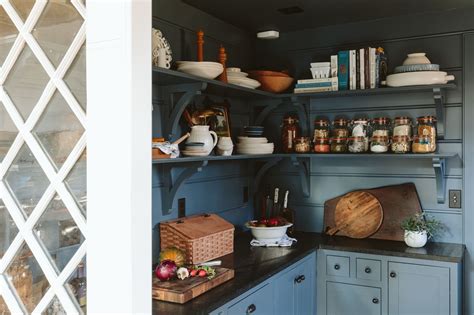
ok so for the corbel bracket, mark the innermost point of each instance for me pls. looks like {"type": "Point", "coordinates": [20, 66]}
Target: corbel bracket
{"type": "Point", "coordinates": [439, 97]}
{"type": "Point", "coordinates": [303, 171]}
{"type": "Point", "coordinates": [440, 168]}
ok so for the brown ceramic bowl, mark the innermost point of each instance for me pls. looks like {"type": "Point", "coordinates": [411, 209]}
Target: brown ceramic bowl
{"type": "Point", "coordinates": [274, 84]}
{"type": "Point", "coordinates": [256, 73]}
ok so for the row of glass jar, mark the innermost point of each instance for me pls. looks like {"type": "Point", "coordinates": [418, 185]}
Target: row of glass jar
{"type": "Point", "coordinates": [381, 126]}
{"type": "Point", "coordinates": [376, 144]}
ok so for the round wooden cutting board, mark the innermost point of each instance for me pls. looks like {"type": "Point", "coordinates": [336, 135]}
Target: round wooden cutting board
{"type": "Point", "coordinates": [358, 214]}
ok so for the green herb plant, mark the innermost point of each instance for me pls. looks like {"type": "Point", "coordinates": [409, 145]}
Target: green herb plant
{"type": "Point", "coordinates": [421, 222]}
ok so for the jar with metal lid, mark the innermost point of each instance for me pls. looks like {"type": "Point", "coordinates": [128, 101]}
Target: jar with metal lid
{"type": "Point", "coordinates": [426, 126]}
{"type": "Point", "coordinates": [340, 128]}
{"type": "Point", "coordinates": [381, 126]}
{"type": "Point", "coordinates": [358, 144]}
{"type": "Point", "coordinates": [402, 126]}
{"type": "Point", "coordinates": [379, 144]}
{"type": "Point", "coordinates": [289, 132]}
{"type": "Point", "coordinates": [338, 145]}
{"type": "Point", "coordinates": [423, 144]}
{"type": "Point", "coordinates": [360, 127]}
{"type": "Point", "coordinates": [401, 144]}
{"type": "Point", "coordinates": [302, 145]}
{"type": "Point", "coordinates": [321, 129]}
{"type": "Point", "coordinates": [321, 145]}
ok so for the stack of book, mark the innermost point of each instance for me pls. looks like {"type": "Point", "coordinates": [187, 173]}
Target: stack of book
{"type": "Point", "coordinates": [324, 78]}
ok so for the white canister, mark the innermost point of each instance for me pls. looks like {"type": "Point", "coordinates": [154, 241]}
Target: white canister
{"type": "Point", "coordinates": [416, 239]}
{"type": "Point", "coordinates": [225, 146]}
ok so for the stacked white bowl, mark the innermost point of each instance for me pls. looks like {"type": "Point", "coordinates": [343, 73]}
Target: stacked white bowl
{"type": "Point", "coordinates": [203, 69]}
{"type": "Point", "coordinates": [237, 77]}
{"type": "Point", "coordinates": [254, 145]}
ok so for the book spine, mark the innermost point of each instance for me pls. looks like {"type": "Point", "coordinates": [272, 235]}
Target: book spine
{"type": "Point", "coordinates": [361, 69]}
{"type": "Point", "coordinates": [372, 67]}
{"type": "Point", "coordinates": [343, 69]}
{"type": "Point", "coordinates": [310, 90]}
{"type": "Point", "coordinates": [352, 69]}
{"type": "Point", "coordinates": [377, 69]}
{"type": "Point", "coordinates": [366, 68]}
{"type": "Point", "coordinates": [307, 81]}
{"type": "Point", "coordinates": [357, 69]}
{"type": "Point", "coordinates": [309, 85]}
{"type": "Point", "coordinates": [333, 66]}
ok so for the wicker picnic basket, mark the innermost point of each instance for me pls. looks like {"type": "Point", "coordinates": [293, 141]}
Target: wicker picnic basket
{"type": "Point", "coordinates": [202, 237]}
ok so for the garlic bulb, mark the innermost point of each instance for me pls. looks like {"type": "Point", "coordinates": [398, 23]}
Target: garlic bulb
{"type": "Point", "coordinates": [182, 273]}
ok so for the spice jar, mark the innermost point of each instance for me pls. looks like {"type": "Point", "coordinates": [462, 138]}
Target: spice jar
{"type": "Point", "coordinates": [340, 128]}
{"type": "Point", "coordinates": [402, 126]}
{"type": "Point", "coordinates": [338, 145]}
{"type": "Point", "coordinates": [423, 144]}
{"type": "Point", "coordinates": [360, 127]}
{"type": "Point", "coordinates": [289, 132]}
{"type": "Point", "coordinates": [401, 144]}
{"type": "Point", "coordinates": [321, 129]}
{"type": "Point", "coordinates": [321, 145]}
{"type": "Point", "coordinates": [426, 126]}
{"type": "Point", "coordinates": [379, 144]}
{"type": "Point", "coordinates": [358, 144]}
{"type": "Point", "coordinates": [381, 126]}
{"type": "Point", "coordinates": [302, 145]}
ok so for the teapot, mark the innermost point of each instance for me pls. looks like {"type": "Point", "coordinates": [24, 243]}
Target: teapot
{"type": "Point", "coordinates": [202, 134]}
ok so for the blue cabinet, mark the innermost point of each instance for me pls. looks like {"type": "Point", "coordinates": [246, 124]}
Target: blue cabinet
{"type": "Point", "coordinates": [348, 299]}
{"type": "Point", "coordinates": [259, 302]}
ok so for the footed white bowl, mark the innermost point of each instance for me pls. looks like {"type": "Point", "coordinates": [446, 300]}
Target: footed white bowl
{"type": "Point", "coordinates": [203, 69]}
{"type": "Point", "coordinates": [268, 234]}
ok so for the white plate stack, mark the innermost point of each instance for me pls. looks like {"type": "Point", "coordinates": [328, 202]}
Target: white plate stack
{"type": "Point", "coordinates": [254, 145]}
{"type": "Point", "coordinates": [237, 77]}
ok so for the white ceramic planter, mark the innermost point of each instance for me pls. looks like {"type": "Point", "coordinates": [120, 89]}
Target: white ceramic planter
{"type": "Point", "coordinates": [416, 239]}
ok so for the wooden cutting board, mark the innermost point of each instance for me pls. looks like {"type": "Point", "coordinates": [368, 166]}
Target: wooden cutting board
{"type": "Point", "coordinates": [181, 291]}
{"type": "Point", "coordinates": [397, 201]}
{"type": "Point", "coordinates": [358, 214]}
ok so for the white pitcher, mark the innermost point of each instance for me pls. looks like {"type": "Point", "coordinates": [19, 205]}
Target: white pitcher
{"type": "Point", "coordinates": [202, 134]}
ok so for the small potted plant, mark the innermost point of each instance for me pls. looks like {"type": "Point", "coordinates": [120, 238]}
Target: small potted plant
{"type": "Point", "coordinates": [419, 228]}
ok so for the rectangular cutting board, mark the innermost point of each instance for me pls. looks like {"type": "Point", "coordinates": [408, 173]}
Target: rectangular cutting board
{"type": "Point", "coordinates": [398, 202]}
{"type": "Point", "coordinates": [181, 291]}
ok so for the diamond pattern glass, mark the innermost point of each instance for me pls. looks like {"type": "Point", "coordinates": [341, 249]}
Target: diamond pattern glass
{"type": "Point", "coordinates": [54, 308]}
{"type": "Point", "coordinates": [26, 180]}
{"type": "Point", "coordinates": [76, 181]}
{"type": "Point", "coordinates": [26, 75]}
{"type": "Point", "coordinates": [3, 307]}
{"type": "Point", "coordinates": [8, 132]}
{"type": "Point", "coordinates": [58, 130]}
{"type": "Point", "coordinates": [23, 7]}
{"type": "Point", "coordinates": [26, 276]}
{"type": "Point", "coordinates": [59, 233]}
{"type": "Point", "coordinates": [75, 78]}
{"type": "Point", "coordinates": [8, 34]}
{"type": "Point", "coordinates": [77, 285]}
{"type": "Point", "coordinates": [56, 29]}
{"type": "Point", "coordinates": [8, 230]}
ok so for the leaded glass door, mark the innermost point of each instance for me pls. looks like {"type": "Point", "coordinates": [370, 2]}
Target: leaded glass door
{"type": "Point", "coordinates": [42, 156]}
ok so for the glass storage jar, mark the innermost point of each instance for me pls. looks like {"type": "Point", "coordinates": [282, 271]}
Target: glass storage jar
{"type": "Point", "coordinates": [289, 132]}
{"type": "Point", "coordinates": [338, 145]}
{"type": "Point", "coordinates": [321, 145]}
{"type": "Point", "coordinates": [381, 126]}
{"type": "Point", "coordinates": [401, 144]}
{"type": "Point", "coordinates": [321, 129]}
{"type": "Point", "coordinates": [379, 144]}
{"type": "Point", "coordinates": [302, 145]}
{"type": "Point", "coordinates": [358, 144]}
{"type": "Point", "coordinates": [360, 127]}
{"type": "Point", "coordinates": [423, 144]}
{"type": "Point", "coordinates": [402, 126]}
{"type": "Point", "coordinates": [426, 126]}
{"type": "Point", "coordinates": [340, 128]}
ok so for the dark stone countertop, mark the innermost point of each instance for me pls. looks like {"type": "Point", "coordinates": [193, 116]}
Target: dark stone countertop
{"type": "Point", "coordinates": [253, 265]}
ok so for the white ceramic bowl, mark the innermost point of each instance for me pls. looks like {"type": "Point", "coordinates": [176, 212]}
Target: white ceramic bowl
{"type": "Point", "coordinates": [203, 69]}
{"type": "Point", "coordinates": [268, 234]}
{"type": "Point", "coordinates": [416, 59]}
{"type": "Point", "coordinates": [253, 140]}
{"type": "Point", "coordinates": [243, 81]}
{"type": "Point", "coordinates": [418, 78]}
{"type": "Point", "coordinates": [232, 69]}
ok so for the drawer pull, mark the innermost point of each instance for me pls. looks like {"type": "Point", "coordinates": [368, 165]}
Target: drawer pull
{"type": "Point", "coordinates": [375, 301]}
{"type": "Point", "coordinates": [393, 274]}
{"type": "Point", "coordinates": [368, 270]}
{"type": "Point", "coordinates": [300, 279]}
{"type": "Point", "coordinates": [251, 308]}
{"type": "Point", "coordinates": [337, 267]}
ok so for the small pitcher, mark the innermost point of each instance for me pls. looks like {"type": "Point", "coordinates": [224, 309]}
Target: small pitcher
{"type": "Point", "coordinates": [204, 135]}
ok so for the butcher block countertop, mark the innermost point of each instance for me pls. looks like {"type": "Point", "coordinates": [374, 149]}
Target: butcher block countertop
{"type": "Point", "coordinates": [253, 265]}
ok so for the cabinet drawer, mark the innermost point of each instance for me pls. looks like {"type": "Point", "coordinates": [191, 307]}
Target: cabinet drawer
{"type": "Point", "coordinates": [368, 269]}
{"type": "Point", "coordinates": [337, 266]}
{"type": "Point", "coordinates": [259, 302]}
{"type": "Point", "coordinates": [346, 299]}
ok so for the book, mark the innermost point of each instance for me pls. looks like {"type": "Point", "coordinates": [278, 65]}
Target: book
{"type": "Point", "coordinates": [306, 81]}
{"type": "Point", "coordinates": [333, 66]}
{"type": "Point", "coordinates": [372, 67]}
{"type": "Point", "coordinates": [358, 69]}
{"type": "Point", "coordinates": [362, 68]}
{"type": "Point", "coordinates": [383, 66]}
{"type": "Point", "coordinates": [366, 68]}
{"type": "Point", "coordinates": [318, 84]}
{"type": "Point", "coordinates": [312, 90]}
{"type": "Point", "coordinates": [343, 69]}
{"type": "Point", "coordinates": [352, 69]}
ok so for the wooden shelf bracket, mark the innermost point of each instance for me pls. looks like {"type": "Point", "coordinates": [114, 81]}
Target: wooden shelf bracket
{"type": "Point", "coordinates": [172, 187]}
{"type": "Point", "coordinates": [440, 168]}
{"type": "Point", "coordinates": [439, 97]}
{"type": "Point", "coordinates": [302, 165]}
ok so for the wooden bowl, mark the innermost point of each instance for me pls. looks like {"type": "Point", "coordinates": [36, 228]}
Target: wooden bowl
{"type": "Point", "coordinates": [256, 73]}
{"type": "Point", "coordinates": [274, 84]}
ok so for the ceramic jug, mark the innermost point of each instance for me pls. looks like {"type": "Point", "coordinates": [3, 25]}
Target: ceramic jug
{"type": "Point", "coordinates": [202, 134]}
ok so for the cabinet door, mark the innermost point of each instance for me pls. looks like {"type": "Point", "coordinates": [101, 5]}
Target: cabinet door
{"type": "Point", "coordinates": [259, 302]}
{"type": "Point", "coordinates": [350, 299]}
{"type": "Point", "coordinates": [418, 289]}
